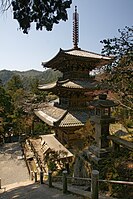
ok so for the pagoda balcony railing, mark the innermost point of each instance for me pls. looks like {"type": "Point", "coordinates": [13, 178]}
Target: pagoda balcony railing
{"type": "Point", "coordinates": [68, 107]}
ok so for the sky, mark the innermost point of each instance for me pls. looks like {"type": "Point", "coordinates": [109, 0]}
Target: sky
{"type": "Point", "coordinates": [98, 20]}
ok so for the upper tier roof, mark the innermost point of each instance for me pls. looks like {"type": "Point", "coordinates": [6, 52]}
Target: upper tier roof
{"type": "Point", "coordinates": [76, 84]}
{"type": "Point", "coordinates": [92, 59]}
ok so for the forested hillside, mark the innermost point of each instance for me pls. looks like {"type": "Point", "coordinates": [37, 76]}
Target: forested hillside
{"type": "Point", "coordinates": [19, 96]}
{"type": "Point", "coordinates": [28, 76]}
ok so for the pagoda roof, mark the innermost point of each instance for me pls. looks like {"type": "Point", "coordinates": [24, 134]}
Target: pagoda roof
{"type": "Point", "coordinates": [55, 116]}
{"type": "Point", "coordinates": [80, 84]}
{"type": "Point", "coordinates": [74, 118]}
{"type": "Point", "coordinates": [50, 114]}
{"type": "Point", "coordinates": [76, 84]}
{"type": "Point", "coordinates": [77, 54]}
{"type": "Point", "coordinates": [83, 53]}
{"type": "Point", "coordinates": [47, 86]}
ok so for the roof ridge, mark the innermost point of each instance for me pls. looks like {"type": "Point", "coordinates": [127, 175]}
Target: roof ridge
{"type": "Point", "coordinates": [62, 117]}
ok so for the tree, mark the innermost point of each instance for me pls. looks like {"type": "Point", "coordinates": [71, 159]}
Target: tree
{"type": "Point", "coordinates": [44, 13]}
{"type": "Point", "coordinates": [55, 159]}
{"type": "Point", "coordinates": [14, 83]}
{"type": "Point", "coordinates": [16, 91]}
{"type": "Point", "coordinates": [6, 110]}
{"type": "Point", "coordinates": [17, 95]}
{"type": "Point", "coordinates": [120, 71]}
{"type": "Point", "coordinates": [120, 47]}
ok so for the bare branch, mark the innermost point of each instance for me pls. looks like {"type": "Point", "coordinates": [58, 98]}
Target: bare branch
{"type": "Point", "coordinates": [5, 5]}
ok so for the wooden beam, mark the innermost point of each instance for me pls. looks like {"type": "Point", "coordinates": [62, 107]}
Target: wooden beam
{"type": "Point", "coordinates": [122, 142]}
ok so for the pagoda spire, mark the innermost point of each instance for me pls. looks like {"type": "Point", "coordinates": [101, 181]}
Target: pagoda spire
{"type": "Point", "coordinates": [75, 28]}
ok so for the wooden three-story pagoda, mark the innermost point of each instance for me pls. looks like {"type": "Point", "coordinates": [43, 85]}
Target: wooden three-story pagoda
{"type": "Point", "coordinates": [71, 111]}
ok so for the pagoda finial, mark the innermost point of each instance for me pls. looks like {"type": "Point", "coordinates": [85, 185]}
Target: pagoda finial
{"type": "Point", "coordinates": [75, 28]}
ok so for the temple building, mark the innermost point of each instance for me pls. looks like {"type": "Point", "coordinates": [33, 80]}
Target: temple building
{"type": "Point", "coordinates": [74, 90]}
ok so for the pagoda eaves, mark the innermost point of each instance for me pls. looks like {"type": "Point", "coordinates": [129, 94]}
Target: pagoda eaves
{"type": "Point", "coordinates": [75, 84]}
{"type": "Point", "coordinates": [90, 59]}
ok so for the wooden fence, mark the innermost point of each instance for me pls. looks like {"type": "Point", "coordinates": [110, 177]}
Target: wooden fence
{"type": "Point", "coordinates": [92, 182]}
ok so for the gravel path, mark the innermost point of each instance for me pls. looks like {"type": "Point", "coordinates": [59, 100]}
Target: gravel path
{"type": "Point", "coordinates": [12, 169]}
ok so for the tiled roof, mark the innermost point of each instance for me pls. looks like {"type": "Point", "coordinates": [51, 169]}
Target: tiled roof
{"type": "Point", "coordinates": [85, 56]}
{"type": "Point", "coordinates": [74, 118]}
{"type": "Point", "coordinates": [46, 118]}
{"type": "Point", "coordinates": [47, 86]}
{"type": "Point", "coordinates": [55, 116]}
{"type": "Point", "coordinates": [80, 84]}
{"type": "Point", "coordinates": [46, 142]}
{"type": "Point", "coordinates": [83, 53]}
{"type": "Point", "coordinates": [85, 84]}
{"type": "Point", "coordinates": [51, 142]}
{"type": "Point", "coordinates": [50, 114]}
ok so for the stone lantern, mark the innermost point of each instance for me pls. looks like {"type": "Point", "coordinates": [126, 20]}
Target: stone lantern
{"type": "Point", "coordinates": [102, 119]}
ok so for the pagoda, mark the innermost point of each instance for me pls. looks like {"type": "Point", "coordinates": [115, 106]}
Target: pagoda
{"type": "Point", "coordinates": [71, 111]}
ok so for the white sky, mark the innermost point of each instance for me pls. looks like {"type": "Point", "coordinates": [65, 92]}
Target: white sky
{"type": "Point", "coordinates": [99, 19]}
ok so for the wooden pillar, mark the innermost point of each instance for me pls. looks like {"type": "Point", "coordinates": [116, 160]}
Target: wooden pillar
{"type": "Point", "coordinates": [64, 181]}
{"type": "Point", "coordinates": [0, 183]}
{"type": "Point", "coordinates": [35, 173]}
{"type": "Point", "coordinates": [41, 177]}
{"type": "Point", "coordinates": [31, 175]}
{"type": "Point", "coordinates": [94, 184]}
{"type": "Point", "coordinates": [50, 178]}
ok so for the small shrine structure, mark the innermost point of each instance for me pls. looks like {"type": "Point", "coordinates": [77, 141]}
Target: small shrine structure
{"type": "Point", "coordinates": [71, 111]}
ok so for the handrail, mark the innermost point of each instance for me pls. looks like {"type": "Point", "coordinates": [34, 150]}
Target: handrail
{"type": "Point", "coordinates": [100, 180]}
{"type": "Point", "coordinates": [116, 182]}
{"type": "Point", "coordinates": [78, 178]}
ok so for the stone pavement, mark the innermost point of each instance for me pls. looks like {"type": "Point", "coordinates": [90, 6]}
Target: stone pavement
{"type": "Point", "coordinates": [12, 169]}
{"type": "Point", "coordinates": [34, 191]}
{"type": "Point", "coordinates": [31, 190]}
{"type": "Point", "coordinates": [16, 184]}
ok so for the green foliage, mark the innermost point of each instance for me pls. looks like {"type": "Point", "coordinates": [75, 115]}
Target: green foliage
{"type": "Point", "coordinates": [19, 97]}
{"type": "Point", "coordinates": [6, 110]}
{"type": "Point", "coordinates": [14, 83]}
{"type": "Point", "coordinates": [115, 167]}
{"type": "Point", "coordinates": [5, 100]}
{"type": "Point", "coordinates": [41, 128]}
{"type": "Point", "coordinates": [5, 75]}
{"type": "Point", "coordinates": [119, 47]}
{"type": "Point", "coordinates": [34, 85]}
{"type": "Point", "coordinates": [53, 159]}
{"type": "Point", "coordinates": [120, 72]}
{"type": "Point", "coordinates": [28, 77]}
{"type": "Point", "coordinates": [129, 123]}
{"type": "Point", "coordinates": [43, 13]}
